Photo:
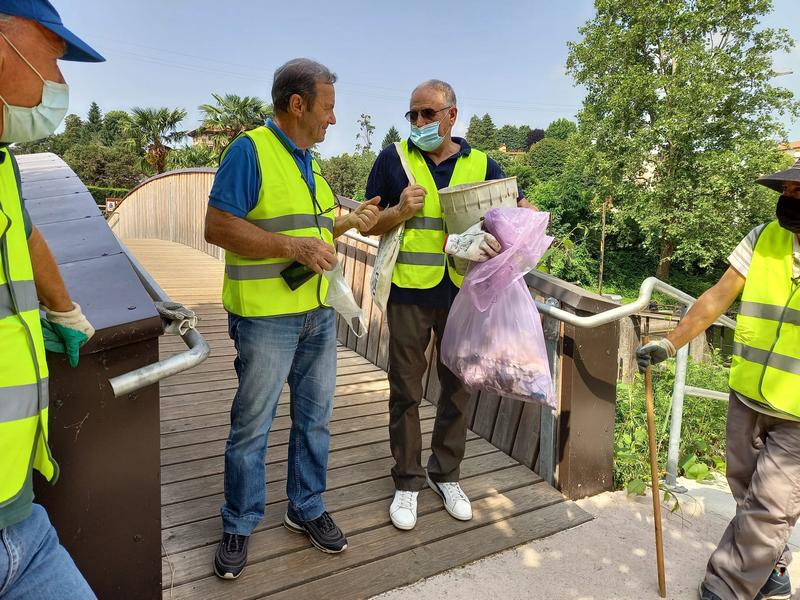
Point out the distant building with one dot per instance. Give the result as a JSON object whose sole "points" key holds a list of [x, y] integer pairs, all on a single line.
{"points": [[504, 149], [203, 136], [791, 148]]}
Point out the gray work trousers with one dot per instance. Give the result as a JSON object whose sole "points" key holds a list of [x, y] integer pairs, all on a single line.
{"points": [[763, 454]]}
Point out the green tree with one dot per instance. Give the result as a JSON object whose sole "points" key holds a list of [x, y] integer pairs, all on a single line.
{"points": [[364, 135], [347, 173], [513, 136], [391, 137], [231, 114], [680, 113], [561, 129], [114, 127], [105, 166], [548, 158], [187, 157], [153, 129], [94, 121], [482, 133]]}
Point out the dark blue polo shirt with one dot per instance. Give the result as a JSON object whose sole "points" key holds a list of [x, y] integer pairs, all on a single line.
{"points": [[388, 179]]}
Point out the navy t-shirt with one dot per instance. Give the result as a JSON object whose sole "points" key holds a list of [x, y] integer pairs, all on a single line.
{"points": [[388, 179]]}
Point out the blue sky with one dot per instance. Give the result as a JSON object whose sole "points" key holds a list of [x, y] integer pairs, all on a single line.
{"points": [[504, 57]]}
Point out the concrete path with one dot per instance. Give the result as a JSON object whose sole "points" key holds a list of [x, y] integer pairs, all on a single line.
{"points": [[611, 557]]}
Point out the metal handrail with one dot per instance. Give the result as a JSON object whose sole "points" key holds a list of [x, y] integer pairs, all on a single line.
{"points": [[198, 348], [649, 285]]}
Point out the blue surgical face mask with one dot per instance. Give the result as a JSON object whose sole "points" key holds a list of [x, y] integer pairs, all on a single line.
{"points": [[427, 137], [28, 124]]}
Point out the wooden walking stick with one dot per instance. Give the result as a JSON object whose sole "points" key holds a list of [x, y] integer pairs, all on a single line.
{"points": [[651, 432]]}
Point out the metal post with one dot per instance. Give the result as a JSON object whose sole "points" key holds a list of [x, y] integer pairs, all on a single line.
{"points": [[678, 392], [549, 421]]}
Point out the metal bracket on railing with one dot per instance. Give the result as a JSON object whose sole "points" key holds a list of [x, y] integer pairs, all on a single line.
{"points": [[198, 348]]}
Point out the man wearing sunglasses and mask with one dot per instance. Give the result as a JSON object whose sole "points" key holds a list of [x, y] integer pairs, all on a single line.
{"points": [[424, 284], [763, 431], [273, 213], [34, 98]]}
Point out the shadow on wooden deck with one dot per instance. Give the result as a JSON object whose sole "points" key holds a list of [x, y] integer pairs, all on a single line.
{"points": [[511, 504]]}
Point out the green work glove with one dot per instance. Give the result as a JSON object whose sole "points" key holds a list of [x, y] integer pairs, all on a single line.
{"points": [[66, 332], [654, 353]]}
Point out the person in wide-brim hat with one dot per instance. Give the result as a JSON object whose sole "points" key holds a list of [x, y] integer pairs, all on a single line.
{"points": [[752, 558], [777, 181]]}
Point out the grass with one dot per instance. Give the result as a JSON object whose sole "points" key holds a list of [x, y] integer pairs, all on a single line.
{"points": [[702, 447]]}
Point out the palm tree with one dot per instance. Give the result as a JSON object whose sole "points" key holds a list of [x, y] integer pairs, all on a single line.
{"points": [[231, 115], [154, 129], [187, 157]]}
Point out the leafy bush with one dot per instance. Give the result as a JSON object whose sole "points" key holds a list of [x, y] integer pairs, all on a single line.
{"points": [[101, 193], [702, 447]]}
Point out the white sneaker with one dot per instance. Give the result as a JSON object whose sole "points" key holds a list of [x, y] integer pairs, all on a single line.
{"points": [[454, 498], [403, 510]]}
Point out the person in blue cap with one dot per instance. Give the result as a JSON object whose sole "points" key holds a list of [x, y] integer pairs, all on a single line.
{"points": [[34, 100]]}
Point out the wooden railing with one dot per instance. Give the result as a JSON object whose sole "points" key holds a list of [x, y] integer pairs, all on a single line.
{"points": [[578, 438], [575, 442]]}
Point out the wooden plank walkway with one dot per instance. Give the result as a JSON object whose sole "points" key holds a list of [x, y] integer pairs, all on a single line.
{"points": [[511, 504]]}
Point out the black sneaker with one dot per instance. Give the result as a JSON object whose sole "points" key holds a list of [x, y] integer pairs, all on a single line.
{"points": [[322, 532], [778, 587], [706, 594], [231, 556]]}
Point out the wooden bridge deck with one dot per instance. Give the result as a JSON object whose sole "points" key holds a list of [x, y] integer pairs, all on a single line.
{"points": [[511, 504]]}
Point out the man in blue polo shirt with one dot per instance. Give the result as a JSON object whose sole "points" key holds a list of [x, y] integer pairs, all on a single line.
{"points": [[423, 289], [273, 212]]}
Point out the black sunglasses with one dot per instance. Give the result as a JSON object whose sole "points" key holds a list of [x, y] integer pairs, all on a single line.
{"points": [[427, 113]]}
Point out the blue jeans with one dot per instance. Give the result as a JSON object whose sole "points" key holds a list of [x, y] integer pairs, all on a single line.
{"points": [[34, 565], [299, 349]]}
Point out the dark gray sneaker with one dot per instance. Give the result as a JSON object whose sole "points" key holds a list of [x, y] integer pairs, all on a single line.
{"points": [[231, 556], [778, 587], [706, 594], [322, 532]]}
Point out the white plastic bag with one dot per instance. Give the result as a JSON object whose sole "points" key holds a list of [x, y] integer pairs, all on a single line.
{"points": [[340, 298], [380, 284]]}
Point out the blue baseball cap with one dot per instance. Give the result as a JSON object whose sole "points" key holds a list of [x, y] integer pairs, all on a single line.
{"points": [[43, 13]]}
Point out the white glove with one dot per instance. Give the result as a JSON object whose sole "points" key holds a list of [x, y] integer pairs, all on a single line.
{"points": [[73, 319], [474, 244]]}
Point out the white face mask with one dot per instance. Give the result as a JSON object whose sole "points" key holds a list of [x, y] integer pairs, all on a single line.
{"points": [[24, 124]]}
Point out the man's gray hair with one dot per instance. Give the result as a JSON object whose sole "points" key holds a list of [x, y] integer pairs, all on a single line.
{"points": [[441, 86], [298, 76]]}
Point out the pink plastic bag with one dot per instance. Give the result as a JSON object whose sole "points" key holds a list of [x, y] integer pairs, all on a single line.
{"points": [[493, 340]]}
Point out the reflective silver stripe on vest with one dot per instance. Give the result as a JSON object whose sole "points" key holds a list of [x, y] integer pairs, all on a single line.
{"points": [[22, 401], [290, 222], [770, 312], [427, 259], [764, 357], [25, 291], [433, 223], [247, 272]]}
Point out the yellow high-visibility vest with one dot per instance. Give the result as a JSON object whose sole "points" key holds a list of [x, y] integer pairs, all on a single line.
{"points": [[766, 361], [23, 368], [254, 287], [421, 260]]}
